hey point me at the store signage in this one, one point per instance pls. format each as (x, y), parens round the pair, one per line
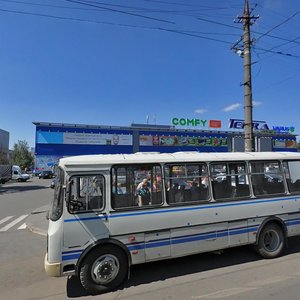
(260, 125)
(189, 122)
(215, 124)
(285, 129)
(240, 124)
(196, 122)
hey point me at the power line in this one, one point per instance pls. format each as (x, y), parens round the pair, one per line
(46, 5)
(187, 5)
(182, 32)
(194, 35)
(256, 32)
(277, 52)
(218, 23)
(283, 44)
(120, 11)
(285, 21)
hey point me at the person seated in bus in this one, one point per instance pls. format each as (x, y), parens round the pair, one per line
(144, 195)
(95, 197)
(140, 185)
(156, 187)
(179, 196)
(195, 191)
(118, 190)
(204, 181)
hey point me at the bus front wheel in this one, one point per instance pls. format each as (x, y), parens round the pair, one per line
(104, 269)
(271, 241)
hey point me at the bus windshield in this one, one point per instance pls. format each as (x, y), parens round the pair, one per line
(56, 208)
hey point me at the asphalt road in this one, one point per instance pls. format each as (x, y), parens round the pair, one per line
(236, 274)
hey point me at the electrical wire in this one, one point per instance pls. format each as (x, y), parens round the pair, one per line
(120, 11)
(283, 22)
(182, 32)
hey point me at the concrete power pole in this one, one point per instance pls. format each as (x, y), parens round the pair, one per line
(246, 53)
(247, 82)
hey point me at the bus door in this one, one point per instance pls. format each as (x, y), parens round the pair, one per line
(86, 220)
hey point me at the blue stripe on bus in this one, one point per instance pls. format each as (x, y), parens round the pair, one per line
(75, 254)
(293, 222)
(192, 238)
(72, 251)
(174, 210)
(71, 256)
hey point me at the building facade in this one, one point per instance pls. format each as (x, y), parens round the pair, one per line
(54, 141)
(4, 146)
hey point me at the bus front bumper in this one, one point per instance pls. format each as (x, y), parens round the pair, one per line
(52, 269)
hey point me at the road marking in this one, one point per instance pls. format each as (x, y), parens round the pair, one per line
(23, 226)
(13, 223)
(5, 219)
(224, 293)
(268, 281)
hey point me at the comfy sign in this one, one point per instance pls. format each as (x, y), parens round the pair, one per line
(189, 122)
(196, 122)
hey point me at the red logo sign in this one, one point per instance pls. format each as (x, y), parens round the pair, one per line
(215, 124)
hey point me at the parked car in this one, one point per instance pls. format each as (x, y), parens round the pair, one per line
(53, 182)
(45, 175)
(18, 174)
(36, 172)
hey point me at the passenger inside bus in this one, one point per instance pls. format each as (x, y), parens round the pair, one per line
(144, 195)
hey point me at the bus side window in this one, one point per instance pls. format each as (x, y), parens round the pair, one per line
(186, 183)
(127, 186)
(292, 174)
(230, 181)
(86, 193)
(267, 178)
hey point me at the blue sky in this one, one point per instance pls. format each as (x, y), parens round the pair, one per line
(116, 62)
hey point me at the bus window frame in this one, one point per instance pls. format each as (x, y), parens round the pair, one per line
(286, 179)
(69, 194)
(281, 172)
(135, 207)
(213, 176)
(59, 195)
(187, 203)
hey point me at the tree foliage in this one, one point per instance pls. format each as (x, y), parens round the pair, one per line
(21, 155)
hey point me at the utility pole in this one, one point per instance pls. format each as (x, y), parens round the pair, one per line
(246, 53)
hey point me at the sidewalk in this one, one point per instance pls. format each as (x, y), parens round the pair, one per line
(37, 221)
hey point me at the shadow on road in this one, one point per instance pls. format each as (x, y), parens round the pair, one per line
(20, 188)
(162, 270)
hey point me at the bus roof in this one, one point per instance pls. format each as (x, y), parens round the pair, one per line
(150, 157)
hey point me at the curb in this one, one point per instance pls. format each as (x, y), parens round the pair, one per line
(37, 221)
(36, 229)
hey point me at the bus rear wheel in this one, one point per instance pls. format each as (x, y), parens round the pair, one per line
(271, 241)
(104, 269)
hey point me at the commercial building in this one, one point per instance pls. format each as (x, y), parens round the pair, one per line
(4, 146)
(54, 141)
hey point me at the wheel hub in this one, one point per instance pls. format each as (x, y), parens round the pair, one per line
(105, 269)
(271, 240)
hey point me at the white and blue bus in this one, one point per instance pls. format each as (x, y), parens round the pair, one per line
(195, 202)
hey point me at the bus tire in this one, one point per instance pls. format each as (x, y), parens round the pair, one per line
(104, 269)
(271, 241)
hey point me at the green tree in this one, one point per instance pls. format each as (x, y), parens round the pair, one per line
(21, 155)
